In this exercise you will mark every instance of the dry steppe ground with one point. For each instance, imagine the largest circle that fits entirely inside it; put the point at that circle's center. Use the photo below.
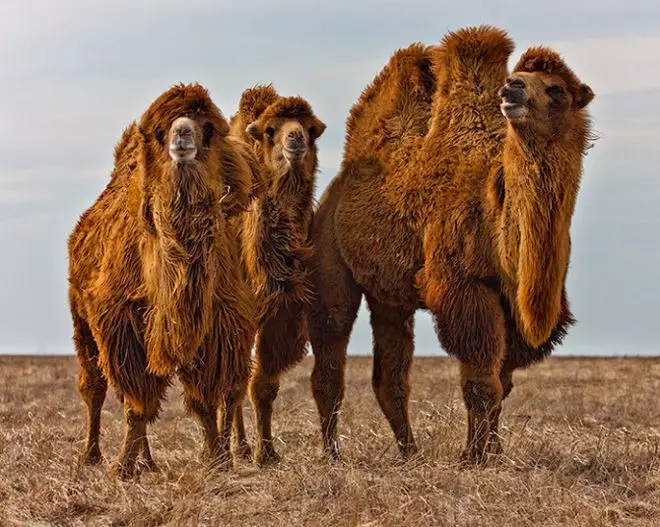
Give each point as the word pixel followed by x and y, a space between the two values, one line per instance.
pixel 581 440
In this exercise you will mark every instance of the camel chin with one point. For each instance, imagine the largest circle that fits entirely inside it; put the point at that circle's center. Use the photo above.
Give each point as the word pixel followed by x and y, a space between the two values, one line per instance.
pixel 513 111
pixel 293 156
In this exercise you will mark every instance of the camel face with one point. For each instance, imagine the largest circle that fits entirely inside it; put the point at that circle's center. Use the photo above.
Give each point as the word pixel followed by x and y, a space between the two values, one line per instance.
pixel 286 143
pixel 541 99
pixel 184 139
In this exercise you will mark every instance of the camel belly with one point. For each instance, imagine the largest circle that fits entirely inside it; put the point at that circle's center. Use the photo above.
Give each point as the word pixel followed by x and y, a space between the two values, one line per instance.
pixel 382 251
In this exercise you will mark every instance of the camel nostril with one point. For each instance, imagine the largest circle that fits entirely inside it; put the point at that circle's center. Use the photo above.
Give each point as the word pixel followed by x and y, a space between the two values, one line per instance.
pixel 515 82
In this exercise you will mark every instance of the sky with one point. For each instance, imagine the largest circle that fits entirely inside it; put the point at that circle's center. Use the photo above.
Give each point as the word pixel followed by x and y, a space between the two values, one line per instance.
pixel 75 73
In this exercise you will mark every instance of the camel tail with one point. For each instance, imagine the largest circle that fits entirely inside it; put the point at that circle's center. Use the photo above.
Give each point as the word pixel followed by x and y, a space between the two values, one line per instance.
pixel 474 57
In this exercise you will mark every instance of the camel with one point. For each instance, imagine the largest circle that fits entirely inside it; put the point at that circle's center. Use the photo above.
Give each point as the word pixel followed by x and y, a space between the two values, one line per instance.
pixel 276 247
pixel 156 286
pixel 455 195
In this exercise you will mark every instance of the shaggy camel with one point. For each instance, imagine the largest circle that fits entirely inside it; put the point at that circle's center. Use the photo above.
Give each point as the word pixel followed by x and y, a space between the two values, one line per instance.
pixel 156 286
pixel 276 247
pixel 455 195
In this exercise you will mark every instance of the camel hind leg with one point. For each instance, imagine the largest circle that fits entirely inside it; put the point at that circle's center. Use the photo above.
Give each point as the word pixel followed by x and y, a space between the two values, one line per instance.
pixel 331 318
pixel 280 345
pixel 240 445
pixel 393 350
pixel 92 386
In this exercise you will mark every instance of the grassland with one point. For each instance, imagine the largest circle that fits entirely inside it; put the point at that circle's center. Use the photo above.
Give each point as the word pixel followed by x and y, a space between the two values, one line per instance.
pixel 581 439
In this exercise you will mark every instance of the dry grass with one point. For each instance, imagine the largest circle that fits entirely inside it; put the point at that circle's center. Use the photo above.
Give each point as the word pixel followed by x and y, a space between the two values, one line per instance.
pixel 581 440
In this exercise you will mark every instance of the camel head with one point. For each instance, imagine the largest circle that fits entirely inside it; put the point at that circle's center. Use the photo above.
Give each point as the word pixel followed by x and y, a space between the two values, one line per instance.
pixel 542 93
pixel 181 126
pixel 285 133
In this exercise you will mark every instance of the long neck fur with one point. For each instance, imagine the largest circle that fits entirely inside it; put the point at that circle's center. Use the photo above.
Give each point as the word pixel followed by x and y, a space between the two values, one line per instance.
pixel 537 188
pixel 179 261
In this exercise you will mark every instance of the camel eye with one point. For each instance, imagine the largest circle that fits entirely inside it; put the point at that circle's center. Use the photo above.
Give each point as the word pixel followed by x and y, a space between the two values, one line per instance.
pixel 207 133
pixel 556 92
pixel 270 132
pixel 159 135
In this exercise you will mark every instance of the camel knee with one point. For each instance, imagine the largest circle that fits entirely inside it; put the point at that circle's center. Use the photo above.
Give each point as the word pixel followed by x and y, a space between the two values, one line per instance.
pixel 92 388
pixel 481 396
pixel 327 380
pixel 263 388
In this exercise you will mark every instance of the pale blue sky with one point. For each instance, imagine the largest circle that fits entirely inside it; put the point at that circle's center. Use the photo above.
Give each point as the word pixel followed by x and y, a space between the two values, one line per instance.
pixel 75 73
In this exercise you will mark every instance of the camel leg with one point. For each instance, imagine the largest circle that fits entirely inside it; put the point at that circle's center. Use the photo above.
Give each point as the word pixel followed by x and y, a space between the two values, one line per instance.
pixel 207 388
pixel 145 461
pixel 92 386
pixel 135 431
pixel 330 324
pixel 230 402
pixel 241 445
pixel 124 363
pixel 202 402
pixel 470 325
pixel 263 390
pixel 137 415
pixel 494 445
pixel 393 350
pixel 280 345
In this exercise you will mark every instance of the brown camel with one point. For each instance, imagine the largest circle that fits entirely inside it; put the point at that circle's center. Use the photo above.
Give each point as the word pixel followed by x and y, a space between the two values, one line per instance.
pixel 275 234
pixel 455 195
pixel 156 286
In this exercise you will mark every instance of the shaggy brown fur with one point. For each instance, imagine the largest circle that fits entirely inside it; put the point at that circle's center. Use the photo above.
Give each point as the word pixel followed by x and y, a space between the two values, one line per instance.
pixel 443 203
pixel 276 246
pixel 155 280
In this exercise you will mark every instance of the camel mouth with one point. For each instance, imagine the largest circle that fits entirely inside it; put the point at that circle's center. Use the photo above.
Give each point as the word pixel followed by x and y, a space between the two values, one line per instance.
pixel 182 154
pixel 513 110
pixel 295 154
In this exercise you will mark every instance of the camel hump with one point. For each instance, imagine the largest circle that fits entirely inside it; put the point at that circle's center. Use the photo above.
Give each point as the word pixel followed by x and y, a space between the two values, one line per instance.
pixel 404 86
pixel 474 56
pixel 254 102
pixel 122 147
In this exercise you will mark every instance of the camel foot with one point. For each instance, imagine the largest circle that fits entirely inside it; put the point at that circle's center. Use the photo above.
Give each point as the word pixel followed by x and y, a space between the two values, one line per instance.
pixel 147 465
pixel 332 450
pixel 92 456
pixel 267 455
pixel 243 451
pixel 408 450
pixel 122 471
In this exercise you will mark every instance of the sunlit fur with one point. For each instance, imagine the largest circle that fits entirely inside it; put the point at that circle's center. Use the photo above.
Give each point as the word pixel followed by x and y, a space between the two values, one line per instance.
pixel 443 204
pixel 156 286
pixel 276 247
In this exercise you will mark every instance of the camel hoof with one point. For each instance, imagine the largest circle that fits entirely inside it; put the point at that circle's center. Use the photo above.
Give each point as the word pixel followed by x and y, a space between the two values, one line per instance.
pixel 495 446
pixel 147 465
pixel 408 450
pixel 92 457
pixel 122 471
pixel 332 450
pixel 243 451
pixel 267 456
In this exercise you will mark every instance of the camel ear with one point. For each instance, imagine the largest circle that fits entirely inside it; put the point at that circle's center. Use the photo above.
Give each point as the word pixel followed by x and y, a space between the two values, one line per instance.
pixel 254 131
pixel 584 96
pixel 317 128
pixel 223 128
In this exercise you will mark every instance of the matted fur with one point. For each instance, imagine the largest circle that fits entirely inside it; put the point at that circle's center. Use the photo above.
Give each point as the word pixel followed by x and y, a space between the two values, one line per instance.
pixel 155 280
pixel 461 213
pixel 276 246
